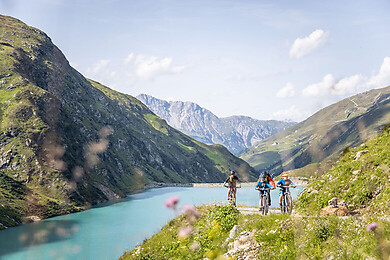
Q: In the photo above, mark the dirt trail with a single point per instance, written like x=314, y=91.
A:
x=250, y=210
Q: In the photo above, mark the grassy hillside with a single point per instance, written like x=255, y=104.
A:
x=67, y=142
x=347, y=123
x=360, y=179
x=274, y=236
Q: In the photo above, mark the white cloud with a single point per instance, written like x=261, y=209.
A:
x=292, y=113
x=382, y=79
x=321, y=88
x=287, y=91
x=305, y=46
x=129, y=58
x=151, y=67
x=348, y=85
x=98, y=67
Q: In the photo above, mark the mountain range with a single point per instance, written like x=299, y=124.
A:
x=347, y=123
x=236, y=133
x=67, y=142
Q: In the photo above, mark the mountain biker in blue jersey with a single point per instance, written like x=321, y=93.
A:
x=285, y=181
x=232, y=182
x=265, y=180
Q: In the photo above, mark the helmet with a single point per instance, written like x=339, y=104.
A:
x=263, y=176
x=232, y=172
x=284, y=174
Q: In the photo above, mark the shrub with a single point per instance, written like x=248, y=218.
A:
x=226, y=216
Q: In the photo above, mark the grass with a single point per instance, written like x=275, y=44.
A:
x=314, y=169
x=209, y=230
x=276, y=236
x=157, y=123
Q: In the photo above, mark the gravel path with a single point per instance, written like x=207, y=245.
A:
x=249, y=211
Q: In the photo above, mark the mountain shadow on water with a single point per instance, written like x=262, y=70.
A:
x=20, y=238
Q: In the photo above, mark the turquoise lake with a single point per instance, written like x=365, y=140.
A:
x=110, y=229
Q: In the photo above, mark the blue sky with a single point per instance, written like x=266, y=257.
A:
x=264, y=59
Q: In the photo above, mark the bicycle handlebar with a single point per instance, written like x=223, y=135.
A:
x=286, y=186
x=263, y=188
x=227, y=186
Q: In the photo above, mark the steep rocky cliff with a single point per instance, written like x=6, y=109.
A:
x=236, y=132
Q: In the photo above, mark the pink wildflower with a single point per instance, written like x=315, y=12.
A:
x=184, y=232
x=190, y=210
x=195, y=246
x=172, y=202
x=372, y=226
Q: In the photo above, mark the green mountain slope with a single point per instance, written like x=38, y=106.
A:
x=325, y=134
x=360, y=179
x=67, y=142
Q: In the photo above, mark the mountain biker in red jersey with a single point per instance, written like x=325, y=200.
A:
x=232, y=182
x=265, y=180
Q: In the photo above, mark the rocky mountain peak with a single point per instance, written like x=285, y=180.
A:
x=235, y=132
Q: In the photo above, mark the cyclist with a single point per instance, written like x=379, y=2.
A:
x=266, y=180
x=233, y=182
x=285, y=181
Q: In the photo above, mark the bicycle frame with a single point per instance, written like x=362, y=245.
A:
x=231, y=197
x=286, y=206
x=263, y=203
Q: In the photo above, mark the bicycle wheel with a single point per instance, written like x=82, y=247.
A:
x=262, y=205
x=283, y=207
x=289, y=203
x=266, y=206
x=231, y=198
x=260, y=200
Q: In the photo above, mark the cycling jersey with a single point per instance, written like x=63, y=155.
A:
x=283, y=182
x=232, y=183
x=269, y=181
x=263, y=184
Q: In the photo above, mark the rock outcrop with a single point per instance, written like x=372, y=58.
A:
x=335, y=209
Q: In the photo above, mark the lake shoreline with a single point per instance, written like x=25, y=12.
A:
x=299, y=182
x=30, y=219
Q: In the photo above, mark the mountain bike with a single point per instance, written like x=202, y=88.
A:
x=263, y=202
x=287, y=204
x=231, y=198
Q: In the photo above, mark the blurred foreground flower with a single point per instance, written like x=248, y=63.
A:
x=195, y=246
x=190, y=210
x=172, y=202
x=372, y=226
x=383, y=243
x=185, y=232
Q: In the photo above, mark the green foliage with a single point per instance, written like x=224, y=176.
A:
x=204, y=241
x=275, y=233
x=226, y=216
x=278, y=236
x=333, y=237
